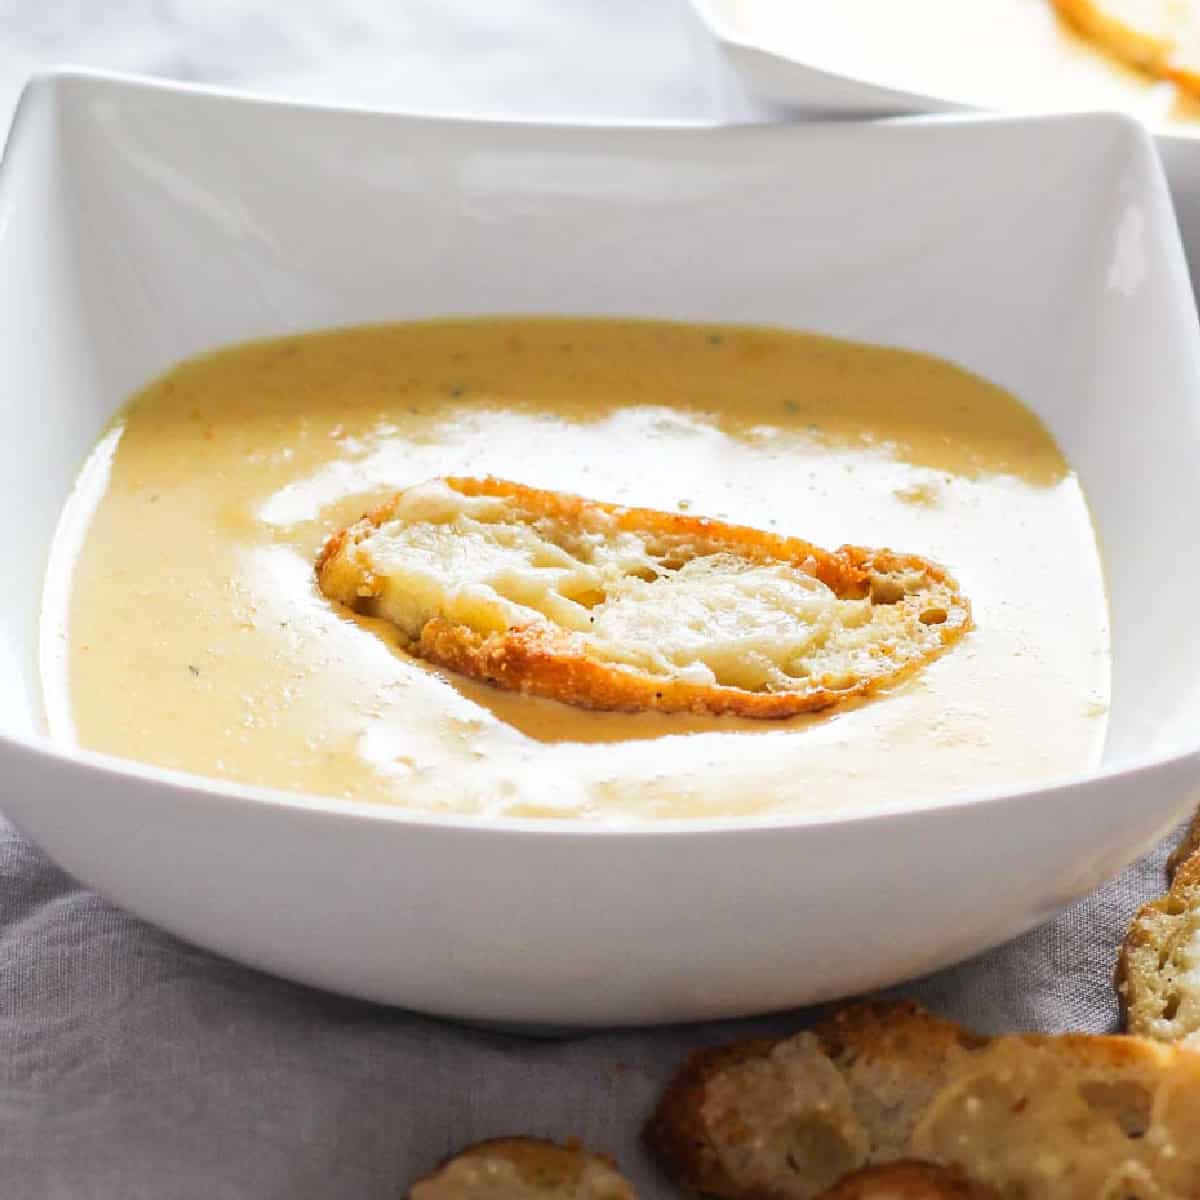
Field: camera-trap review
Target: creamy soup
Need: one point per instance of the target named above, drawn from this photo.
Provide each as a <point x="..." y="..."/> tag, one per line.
<point x="183" y="625"/>
<point x="1001" y="54"/>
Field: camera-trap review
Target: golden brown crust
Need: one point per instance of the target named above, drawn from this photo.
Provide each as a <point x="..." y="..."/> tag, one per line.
<point x="1157" y="996"/>
<point x="1189" y="844"/>
<point x="1094" y="19"/>
<point x="676" y="1134"/>
<point x="1153" y="51"/>
<point x="534" y="661"/>
<point x="898" y="1029"/>
<point x="1185" y="73"/>
<point x="908" y="1181"/>
<point x="544" y="661"/>
<point x="543" y="1167"/>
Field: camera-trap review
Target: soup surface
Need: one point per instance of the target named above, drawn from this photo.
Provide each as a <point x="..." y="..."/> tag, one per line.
<point x="183" y="625"/>
<point x="1001" y="54"/>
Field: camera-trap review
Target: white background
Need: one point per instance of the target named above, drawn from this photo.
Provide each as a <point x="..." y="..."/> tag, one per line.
<point x="597" y="58"/>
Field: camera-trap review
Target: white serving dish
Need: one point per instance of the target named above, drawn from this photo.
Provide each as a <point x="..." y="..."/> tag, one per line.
<point x="850" y="65"/>
<point x="141" y="222"/>
<point x="815" y="89"/>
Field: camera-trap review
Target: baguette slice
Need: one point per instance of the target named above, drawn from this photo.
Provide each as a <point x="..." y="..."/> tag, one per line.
<point x="523" y="1168"/>
<point x="764" y="1119"/>
<point x="908" y="1181"/>
<point x="629" y="608"/>
<point x="1188" y="845"/>
<point x="1159" y="37"/>
<point x="1031" y="1117"/>
<point x="1073" y="1117"/>
<point x="1158" y="969"/>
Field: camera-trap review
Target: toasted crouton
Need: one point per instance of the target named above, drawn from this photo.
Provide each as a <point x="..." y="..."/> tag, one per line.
<point x="629" y="608"/>
<point x="1031" y="1117"/>
<point x="524" y="1168"/>
<point x="1072" y="1117"/>
<point x="1160" y="37"/>
<point x="1188" y="845"/>
<point x="788" y="1118"/>
<point x="909" y="1181"/>
<point x="1158" y="969"/>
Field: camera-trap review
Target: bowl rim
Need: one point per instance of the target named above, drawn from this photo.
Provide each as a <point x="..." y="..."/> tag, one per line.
<point x="67" y="73"/>
<point x="212" y="790"/>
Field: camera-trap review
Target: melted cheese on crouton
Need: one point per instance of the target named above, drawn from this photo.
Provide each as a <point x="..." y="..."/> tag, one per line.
<point x="718" y="619"/>
<point x="709" y="609"/>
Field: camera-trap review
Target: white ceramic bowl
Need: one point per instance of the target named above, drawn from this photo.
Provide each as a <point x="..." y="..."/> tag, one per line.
<point x="140" y="223"/>
<point x="845" y="66"/>
<point x="813" y="88"/>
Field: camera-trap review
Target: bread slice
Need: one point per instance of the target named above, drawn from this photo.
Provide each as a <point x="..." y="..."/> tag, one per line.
<point x="1031" y="1117"/>
<point x="909" y="1181"/>
<point x="764" y="1119"/>
<point x="629" y="608"/>
<point x="1071" y="1118"/>
<point x="1160" y="37"/>
<point x="1188" y="845"/>
<point x="1158" y="968"/>
<point x="1157" y="976"/>
<point x="524" y="1168"/>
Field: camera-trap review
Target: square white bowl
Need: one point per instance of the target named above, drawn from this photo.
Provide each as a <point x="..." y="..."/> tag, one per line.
<point x="141" y="222"/>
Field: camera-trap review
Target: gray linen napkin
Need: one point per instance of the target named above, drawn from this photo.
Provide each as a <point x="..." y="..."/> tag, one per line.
<point x="135" y="1067"/>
